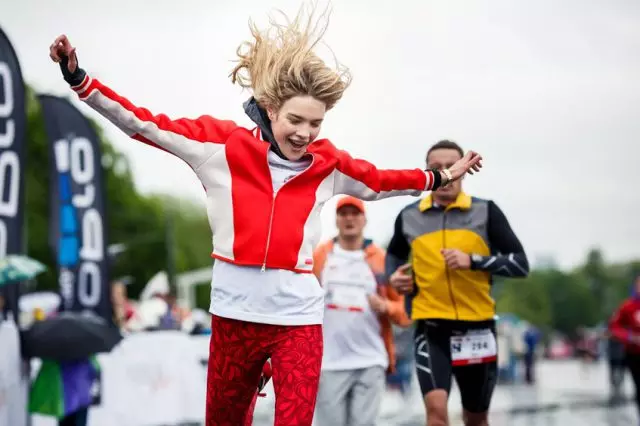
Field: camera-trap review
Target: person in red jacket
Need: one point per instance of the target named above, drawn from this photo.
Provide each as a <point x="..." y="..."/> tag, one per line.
<point x="625" y="326"/>
<point x="265" y="189"/>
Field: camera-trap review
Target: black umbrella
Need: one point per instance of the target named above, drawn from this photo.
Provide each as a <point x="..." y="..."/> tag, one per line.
<point x="69" y="336"/>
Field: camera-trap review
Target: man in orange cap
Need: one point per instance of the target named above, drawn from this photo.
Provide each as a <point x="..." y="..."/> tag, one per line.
<point x="359" y="309"/>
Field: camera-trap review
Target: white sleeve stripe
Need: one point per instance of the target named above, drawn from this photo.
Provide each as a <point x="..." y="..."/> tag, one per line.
<point x="82" y="87"/>
<point x="513" y="260"/>
<point x="195" y="153"/>
<point x="503" y="268"/>
<point x="430" y="179"/>
<point x="489" y="262"/>
<point x="425" y="369"/>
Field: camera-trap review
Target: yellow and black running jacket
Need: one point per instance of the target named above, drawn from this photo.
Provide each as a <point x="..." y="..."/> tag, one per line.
<point x="472" y="225"/>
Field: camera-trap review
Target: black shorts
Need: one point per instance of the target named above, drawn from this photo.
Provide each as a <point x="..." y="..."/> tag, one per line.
<point x="434" y="366"/>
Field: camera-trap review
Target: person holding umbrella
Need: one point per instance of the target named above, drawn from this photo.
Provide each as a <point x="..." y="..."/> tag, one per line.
<point x="68" y="381"/>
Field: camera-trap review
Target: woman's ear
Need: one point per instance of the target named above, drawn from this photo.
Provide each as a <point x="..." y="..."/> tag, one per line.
<point x="272" y="113"/>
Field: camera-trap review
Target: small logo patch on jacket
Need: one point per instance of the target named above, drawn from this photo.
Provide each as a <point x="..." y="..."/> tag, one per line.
<point x="308" y="262"/>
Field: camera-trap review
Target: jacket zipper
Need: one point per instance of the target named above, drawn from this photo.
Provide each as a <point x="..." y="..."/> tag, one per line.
<point x="446" y="267"/>
<point x="266" y="250"/>
<point x="273" y="207"/>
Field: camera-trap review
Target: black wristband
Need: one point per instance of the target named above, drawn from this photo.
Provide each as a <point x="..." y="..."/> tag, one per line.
<point x="474" y="261"/>
<point x="437" y="179"/>
<point x="73" y="78"/>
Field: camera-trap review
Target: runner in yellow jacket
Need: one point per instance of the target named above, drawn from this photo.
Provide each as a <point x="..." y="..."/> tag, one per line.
<point x="454" y="244"/>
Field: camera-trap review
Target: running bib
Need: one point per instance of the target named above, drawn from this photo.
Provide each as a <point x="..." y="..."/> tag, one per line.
<point x="349" y="297"/>
<point x="347" y="279"/>
<point x="474" y="347"/>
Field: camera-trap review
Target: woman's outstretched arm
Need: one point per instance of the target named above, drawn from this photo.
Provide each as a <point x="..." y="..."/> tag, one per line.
<point x="193" y="140"/>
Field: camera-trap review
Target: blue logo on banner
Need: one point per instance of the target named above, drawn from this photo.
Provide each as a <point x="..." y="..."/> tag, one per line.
<point x="69" y="244"/>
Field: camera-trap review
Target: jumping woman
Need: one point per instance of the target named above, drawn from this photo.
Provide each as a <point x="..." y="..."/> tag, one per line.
<point x="265" y="189"/>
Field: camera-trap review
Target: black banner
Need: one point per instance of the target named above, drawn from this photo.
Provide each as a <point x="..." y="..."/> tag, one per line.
<point x="77" y="227"/>
<point x="12" y="159"/>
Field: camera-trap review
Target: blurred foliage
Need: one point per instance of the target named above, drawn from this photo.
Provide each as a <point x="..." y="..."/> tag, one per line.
<point x="203" y="296"/>
<point x="136" y="220"/>
<point x="563" y="301"/>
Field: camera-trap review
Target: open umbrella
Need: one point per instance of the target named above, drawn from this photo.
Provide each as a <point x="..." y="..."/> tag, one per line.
<point x="70" y="336"/>
<point x="14" y="268"/>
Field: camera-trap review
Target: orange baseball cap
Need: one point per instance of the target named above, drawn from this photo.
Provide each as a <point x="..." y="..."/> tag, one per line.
<point x="350" y="201"/>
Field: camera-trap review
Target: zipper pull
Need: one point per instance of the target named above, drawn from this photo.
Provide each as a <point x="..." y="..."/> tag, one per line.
<point x="264" y="267"/>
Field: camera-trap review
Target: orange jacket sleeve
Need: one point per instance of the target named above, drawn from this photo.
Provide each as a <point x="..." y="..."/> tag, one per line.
<point x="320" y="259"/>
<point x="395" y="307"/>
<point x="395" y="301"/>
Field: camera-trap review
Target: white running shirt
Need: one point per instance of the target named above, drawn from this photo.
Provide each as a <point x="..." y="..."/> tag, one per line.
<point x="352" y="331"/>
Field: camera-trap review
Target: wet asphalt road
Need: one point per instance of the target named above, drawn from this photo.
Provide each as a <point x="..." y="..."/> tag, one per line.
<point x="566" y="393"/>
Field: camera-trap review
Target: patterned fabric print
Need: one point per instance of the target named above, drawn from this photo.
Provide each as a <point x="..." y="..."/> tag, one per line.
<point x="236" y="357"/>
<point x="296" y="362"/>
<point x="235" y="366"/>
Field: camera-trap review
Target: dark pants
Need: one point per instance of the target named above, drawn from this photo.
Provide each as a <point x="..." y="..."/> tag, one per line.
<point x="633" y="362"/>
<point x="529" y="374"/>
<point x="79" y="418"/>
<point x="617" y="369"/>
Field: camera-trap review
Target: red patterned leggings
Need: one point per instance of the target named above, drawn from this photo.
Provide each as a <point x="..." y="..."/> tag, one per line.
<point x="235" y="366"/>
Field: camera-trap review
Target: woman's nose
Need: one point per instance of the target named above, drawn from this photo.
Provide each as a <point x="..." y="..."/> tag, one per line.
<point x="303" y="132"/>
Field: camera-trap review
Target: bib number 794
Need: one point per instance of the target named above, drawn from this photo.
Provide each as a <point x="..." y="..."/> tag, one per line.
<point x="474" y="347"/>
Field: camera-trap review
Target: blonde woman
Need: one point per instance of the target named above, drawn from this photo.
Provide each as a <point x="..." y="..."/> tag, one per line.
<point x="265" y="189"/>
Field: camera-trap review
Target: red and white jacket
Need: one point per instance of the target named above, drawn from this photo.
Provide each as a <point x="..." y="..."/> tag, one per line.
<point x="251" y="225"/>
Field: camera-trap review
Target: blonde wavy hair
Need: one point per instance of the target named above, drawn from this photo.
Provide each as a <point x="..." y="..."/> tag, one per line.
<point x="279" y="63"/>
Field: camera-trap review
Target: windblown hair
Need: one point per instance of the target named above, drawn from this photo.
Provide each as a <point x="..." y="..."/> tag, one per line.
<point x="279" y="63"/>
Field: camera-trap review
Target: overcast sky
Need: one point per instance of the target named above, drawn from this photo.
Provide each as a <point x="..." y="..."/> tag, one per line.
<point x="547" y="90"/>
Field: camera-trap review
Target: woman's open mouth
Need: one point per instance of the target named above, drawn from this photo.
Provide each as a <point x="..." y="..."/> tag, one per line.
<point x="297" y="145"/>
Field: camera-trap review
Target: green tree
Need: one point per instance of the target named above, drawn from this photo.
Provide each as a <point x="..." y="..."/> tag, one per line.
<point x="572" y="302"/>
<point x="566" y="300"/>
<point x="621" y="279"/>
<point x="594" y="272"/>
<point x="528" y="299"/>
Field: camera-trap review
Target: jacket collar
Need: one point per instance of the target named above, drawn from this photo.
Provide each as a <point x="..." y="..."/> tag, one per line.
<point x="462" y="202"/>
<point x="258" y="115"/>
<point x="367" y="246"/>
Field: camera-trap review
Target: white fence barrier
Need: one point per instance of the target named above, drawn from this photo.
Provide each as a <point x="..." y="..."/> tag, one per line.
<point x="151" y="379"/>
